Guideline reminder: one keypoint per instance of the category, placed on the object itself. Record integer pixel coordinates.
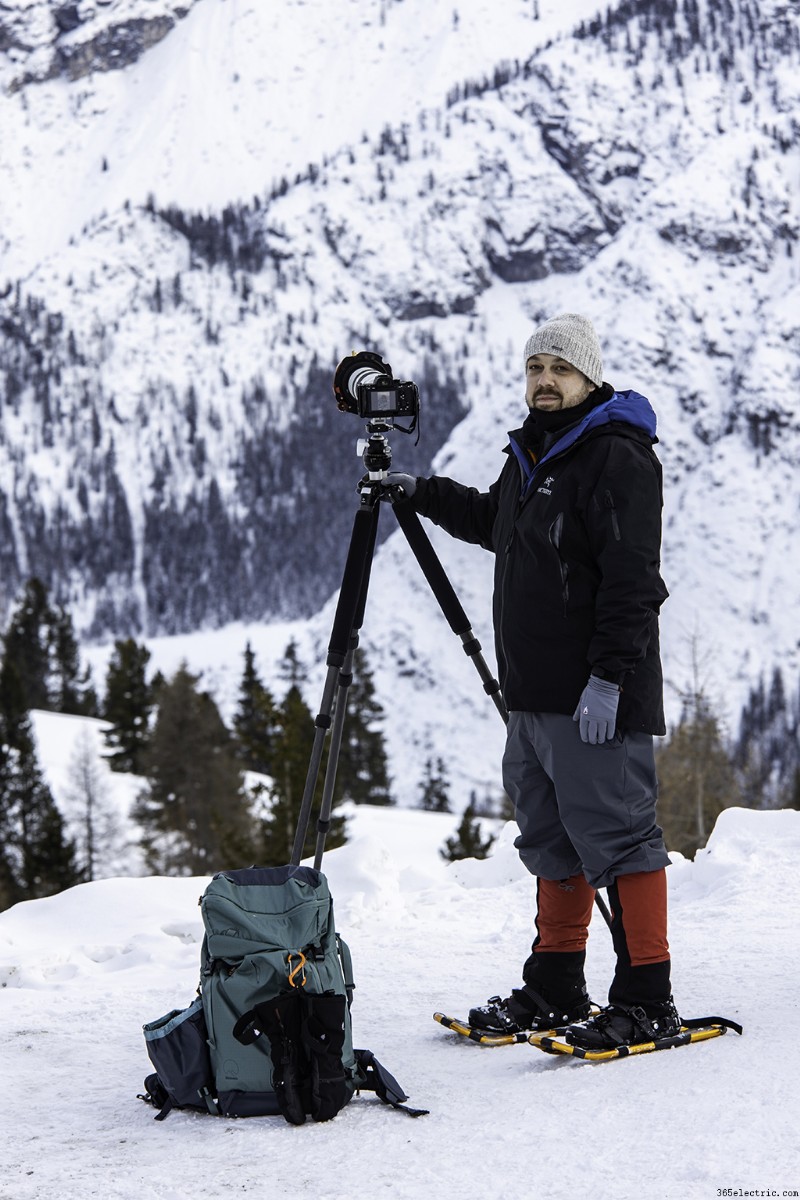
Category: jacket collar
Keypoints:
(624, 408)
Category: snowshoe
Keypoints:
(506, 1023)
(625, 1025)
(607, 1036)
(481, 1035)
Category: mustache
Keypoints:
(547, 391)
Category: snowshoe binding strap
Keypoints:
(637, 1015)
(703, 1022)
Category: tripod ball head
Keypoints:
(376, 453)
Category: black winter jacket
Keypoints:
(577, 540)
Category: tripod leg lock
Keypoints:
(323, 721)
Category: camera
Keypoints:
(363, 385)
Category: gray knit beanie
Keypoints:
(571, 337)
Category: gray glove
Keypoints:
(597, 711)
(396, 479)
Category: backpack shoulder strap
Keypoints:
(346, 959)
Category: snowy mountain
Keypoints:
(80, 973)
(205, 206)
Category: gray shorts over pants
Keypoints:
(582, 808)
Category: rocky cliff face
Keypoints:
(43, 40)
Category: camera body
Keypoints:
(363, 385)
(387, 397)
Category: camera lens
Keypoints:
(364, 369)
(367, 376)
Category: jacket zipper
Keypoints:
(506, 557)
(614, 521)
(554, 535)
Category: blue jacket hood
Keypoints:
(625, 408)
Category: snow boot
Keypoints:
(521, 1011)
(625, 1025)
(553, 994)
(554, 988)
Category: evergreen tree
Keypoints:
(767, 751)
(505, 808)
(41, 644)
(37, 858)
(362, 773)
(467, 842)
(28, 645)
(435, 787)
(290, 668)
(128, 706)
(14, 723)
(12, 718)
(194, 814)
(500, 805)
(71, 686)
(793, 796)
(10, 893)
(256, 720)
(49, 858)
(292, 753)
(11, 888)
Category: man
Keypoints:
(574, 521)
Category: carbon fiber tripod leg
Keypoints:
(344, 639)
(449, 603)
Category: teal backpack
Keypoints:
(270, 1032)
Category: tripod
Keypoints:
(347, 622)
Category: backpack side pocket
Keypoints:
(177, 1045)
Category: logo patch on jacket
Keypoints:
(545, 488)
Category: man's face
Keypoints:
(552, 383)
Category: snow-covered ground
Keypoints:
(81, 972)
